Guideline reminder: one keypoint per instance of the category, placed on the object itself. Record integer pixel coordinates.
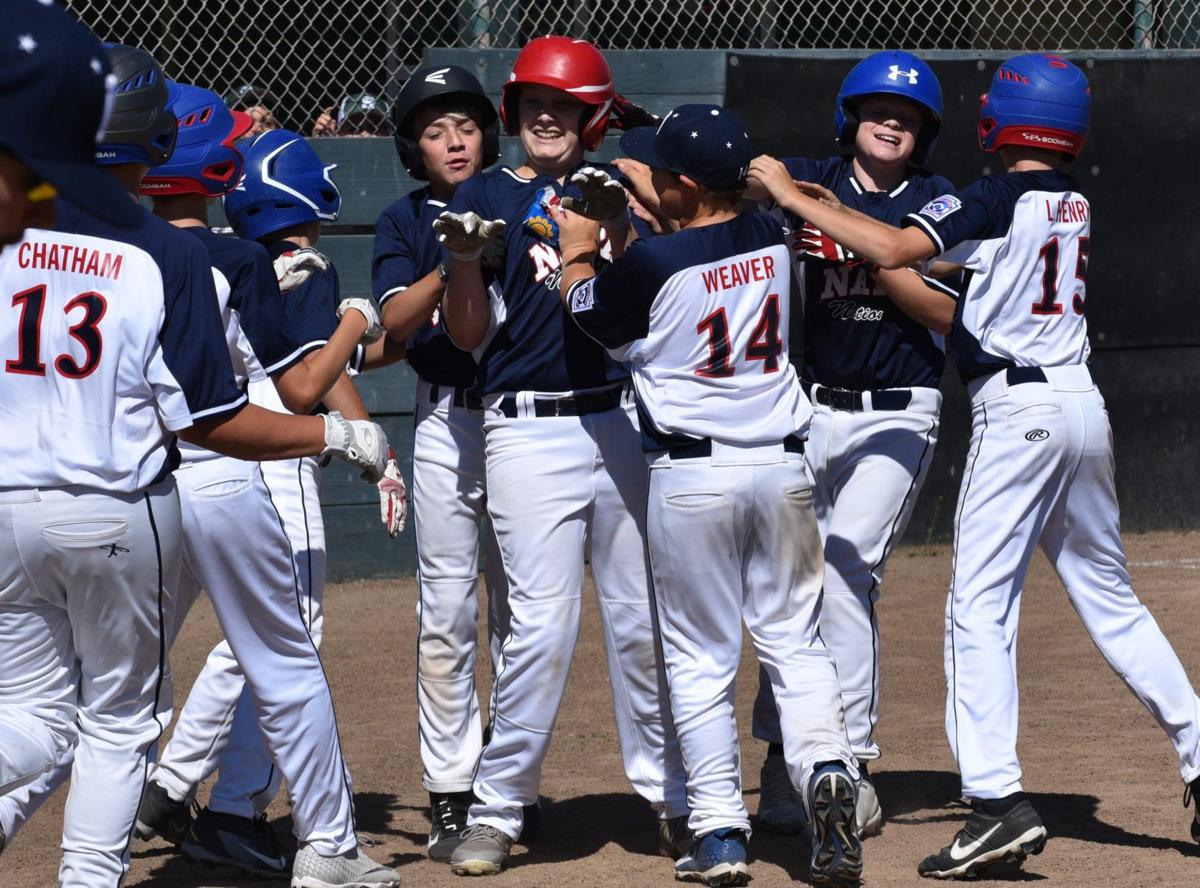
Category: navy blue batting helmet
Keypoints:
(1042, 101)
(285, 184)
(895, 73)
(139, 129)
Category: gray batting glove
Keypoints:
(359, 442)
(296, 266)
(367, 309)
(604, 199)
(466, 234)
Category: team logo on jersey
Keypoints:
(894, 73)
(584, 297)
(849, 310)
(941, 207)
(1037, 435)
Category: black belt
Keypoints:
(1022, 375)
(459, 399)
(852, 401)
(703, 448)
(576, 405)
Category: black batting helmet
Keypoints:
(435, 82)
(140, 129)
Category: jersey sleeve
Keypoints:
(393, 260)
(614, 306)
(806, 169)
(194, 350)
(310, 310)
(951, 219)
(261, 317)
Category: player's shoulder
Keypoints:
(168, 246)
(321, 281)
(926, 182)
(821, 170)
(705, 244)
(407, 211)
(232, 255)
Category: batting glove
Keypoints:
(359, 442)
(604, 199)
(466, 234)
(393, 497)
(296, 266)
(367, 309)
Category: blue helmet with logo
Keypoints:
(285, 184)
(205, 160)
(1037, 100)
(891, 73)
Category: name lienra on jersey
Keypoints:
(547, 261)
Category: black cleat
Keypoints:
(447, 821)
(986, 839)
(240, 842)
(837, 857)
(162, 816)
(1191, 796)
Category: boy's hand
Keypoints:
(370, 313)
(577, 235)
(770, 174)
(638, 175)
(466, 234)
(294, 267)
(819, 192)
(393, 497)
(604, 199)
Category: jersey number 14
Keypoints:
(765, 344)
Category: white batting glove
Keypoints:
(604, 199)
(359, 442)
(466, 234)
(296, 266)
(367, 309)
(393, 497)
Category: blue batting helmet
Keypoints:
(285, 184)
(139, 129)
(205, 160)
(1037, 100)
(891, 73)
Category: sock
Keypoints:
(1000, 807)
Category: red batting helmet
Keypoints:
(574, 66)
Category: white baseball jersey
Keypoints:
(110, 347)
(702, 319)
(1015, 233)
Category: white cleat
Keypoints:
(354, 869)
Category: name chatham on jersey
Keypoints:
(67, 257)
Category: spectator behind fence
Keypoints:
(259, 103)
(358, 114)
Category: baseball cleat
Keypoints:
(868, 815)
(240, 842)
(1191, 795)
(531, 823)
(354, 869)
(162, 816)
(483, 851)
(674, 837)
(716, 859)
(986, 839)
(447, 821)
(837, 857)
(780, 809)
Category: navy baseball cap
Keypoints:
(55, 86)
(706, 143)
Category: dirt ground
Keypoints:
(1101, 773)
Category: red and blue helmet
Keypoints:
(205, 160)
(895, 73)
(285, 184)
(1042, 101)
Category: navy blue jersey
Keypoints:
(406, 249)
(533, 345)
(854, 335)
(310, 310)
(254, 303)
(1024, 241)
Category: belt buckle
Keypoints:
(558, 407)
(841, 398)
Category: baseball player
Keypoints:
(446, 131)
(218, 728)
(701, 316)
(225, 501)
(1040, 467)
(873, 361)
(54, 80)
(115, 345)
(565, 473)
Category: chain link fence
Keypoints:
(328, 67)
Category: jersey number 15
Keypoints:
(1049, 304)
(32, 304)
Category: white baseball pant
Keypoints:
(449, 498)
(867, 469)
(82, 640)
(733, 537)
(1040, 471)
(561, 488)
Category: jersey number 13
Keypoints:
(32, 303)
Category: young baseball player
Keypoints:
(701, 316)
(218, 728)
(1040, 468)
(115, 345)
(225, 501)
(446, 131)
(565, 473)
(873, 361)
